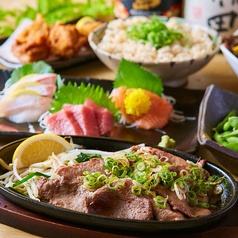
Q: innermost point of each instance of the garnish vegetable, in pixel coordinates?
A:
(137, 102)
(154, 31)
(74, 94)
(39, 67)
(226, 132)
(133, 76)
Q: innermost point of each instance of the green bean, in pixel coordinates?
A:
(219, 127)
(219, 138)
(231, 133)
(233, 121)
(227, 126)
(232, 139)
(232, 146)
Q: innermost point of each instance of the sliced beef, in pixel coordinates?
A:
(165, 214)
(63, 192)
(161, 154)
(200, 212)
(179, 168)
(103, 116)
(85, 116)
(180, 205)
(201, 163)
(172, 159)
(68, 191)
(73, 171)
(120, 202)
(63, 123)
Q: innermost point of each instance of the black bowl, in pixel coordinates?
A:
(125, 226)
(216, 104)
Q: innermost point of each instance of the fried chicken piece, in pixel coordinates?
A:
(32, 44)
(65, 41)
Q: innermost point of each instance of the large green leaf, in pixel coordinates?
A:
(39, 67)
(133, 76)
(74, 94)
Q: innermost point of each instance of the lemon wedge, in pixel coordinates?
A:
(21, 85)
(83, 21)
(38, 148)
(24, 92)
(27, 77)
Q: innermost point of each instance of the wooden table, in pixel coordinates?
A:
(217, 72)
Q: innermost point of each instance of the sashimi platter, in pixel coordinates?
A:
(134, 107)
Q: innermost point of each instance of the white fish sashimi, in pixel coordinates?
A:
(25, 108)
(49, 78)
(45, 90)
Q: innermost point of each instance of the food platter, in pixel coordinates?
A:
(9, 60)
(128, 226)
(187, 101)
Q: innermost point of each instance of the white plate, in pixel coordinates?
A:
(9, 60)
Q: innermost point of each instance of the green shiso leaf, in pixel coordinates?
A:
(39, 67)
(74, 94)
(133, 76)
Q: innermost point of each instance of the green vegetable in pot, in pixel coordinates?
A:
(226, 132)
(219, 127)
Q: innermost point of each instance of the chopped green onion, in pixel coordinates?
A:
(13, 189)
(113, 188)
(192, 201)
(136, 190)
(29, 177)
(158, 200)
(141, 177)
(94, 180)
(146, 187)
(140, 166)
(203, 204)
(218, 189)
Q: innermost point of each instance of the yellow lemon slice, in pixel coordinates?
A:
(21, 85)
(38, 148)
(83, 21)
(24, 92)
(27, 77)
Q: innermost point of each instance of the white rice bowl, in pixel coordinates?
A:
(172, 63)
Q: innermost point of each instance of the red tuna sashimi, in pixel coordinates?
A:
(63, 123)
(157, 115)
(103, 115)
(85, 116)
(49, 78)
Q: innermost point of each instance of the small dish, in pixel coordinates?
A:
(231, 58)
(172, 73)
(215, 105)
